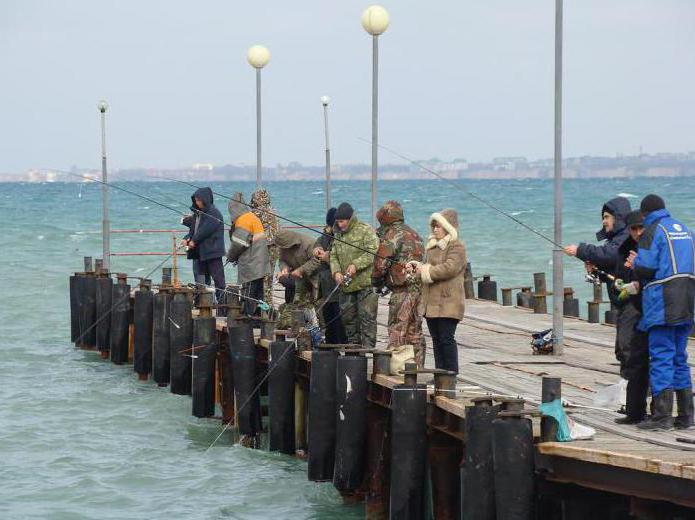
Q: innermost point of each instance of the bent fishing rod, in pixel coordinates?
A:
(476, 197)
(144, 197)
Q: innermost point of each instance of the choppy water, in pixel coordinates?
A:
(81, 438)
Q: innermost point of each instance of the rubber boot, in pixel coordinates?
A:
(684, 401)
(636, 402)
(662, 418)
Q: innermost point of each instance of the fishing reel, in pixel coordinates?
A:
(542, 342)
(593, 278)
(347, 280)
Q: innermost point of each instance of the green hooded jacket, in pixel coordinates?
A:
(362, 257)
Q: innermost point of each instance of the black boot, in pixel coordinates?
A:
(684, 400)
(636, 402)
(662, 418)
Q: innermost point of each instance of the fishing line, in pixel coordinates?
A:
(286, 219)
(476, 197)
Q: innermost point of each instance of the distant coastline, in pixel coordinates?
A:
(586, 167)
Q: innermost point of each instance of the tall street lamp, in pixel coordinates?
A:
(558, 254)
(375, 20)
(258, 57)
(324, 101)
(103, 106)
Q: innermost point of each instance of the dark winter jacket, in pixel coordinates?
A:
(208, 230)
(625, 274)
(666, 262)
(604, 256)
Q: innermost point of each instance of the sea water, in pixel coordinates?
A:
(82, 438)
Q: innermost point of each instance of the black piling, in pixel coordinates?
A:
(408, 451)
(142, 318)
(74, 307)
(351, 421)
(281, 397)
(161, 349)
(551, 389)
(87, 285)
(204, 353)
(120, 320)
(487, 288)
(104, 299)
(322, 423)
(180, 342)
(512, 448)
(479, 476)
(243, 357)
(570, 304)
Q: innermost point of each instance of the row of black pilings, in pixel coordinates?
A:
(155, 331)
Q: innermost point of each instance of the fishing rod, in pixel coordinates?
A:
(286, 219)
(476, 197)
(144, 197)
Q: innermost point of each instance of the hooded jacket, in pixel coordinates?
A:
(665, 265)
(296, 252)
(605, 255)
(356, 245)
(207, 231)
(249, 247)
(398, 245)
(442, 273)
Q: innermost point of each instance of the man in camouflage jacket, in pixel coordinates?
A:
(353, 255)
(399, 244)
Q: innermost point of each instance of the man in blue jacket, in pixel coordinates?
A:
(665, 266)
(207, 236)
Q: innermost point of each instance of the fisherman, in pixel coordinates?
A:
(352, 262)
(328, 300)
(249, 251)
(261, 207)
(613, 232)
(400, 244)
(665, 264)
(631, 344)
(442, 302)
(295, 252)
(207, 238)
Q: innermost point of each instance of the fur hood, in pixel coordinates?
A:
(448, 219)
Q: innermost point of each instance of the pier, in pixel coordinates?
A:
(474, 443)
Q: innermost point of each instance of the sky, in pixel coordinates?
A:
(458, 78)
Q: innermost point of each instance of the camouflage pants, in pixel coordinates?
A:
(405, 323)
(268, 280)
(358, 314)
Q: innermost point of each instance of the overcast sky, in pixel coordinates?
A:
(459, 78)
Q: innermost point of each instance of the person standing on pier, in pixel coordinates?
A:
(352, 261)
(249, 251)
(398, 245)
(631, 344)
(328, 295)
(665, 264)
(442, 286)
(261, 207)
(192, 253)
(614, 232)
(207, 237)
(295, 252)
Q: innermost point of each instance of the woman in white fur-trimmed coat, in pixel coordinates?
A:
(442, 286)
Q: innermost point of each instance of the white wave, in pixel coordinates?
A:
(627, 195)
(515, 213)
(139, 269)
(317, 192)
(40, 237)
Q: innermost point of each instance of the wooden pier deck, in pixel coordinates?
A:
(495, 355)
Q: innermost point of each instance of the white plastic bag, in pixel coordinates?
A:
(612, 396)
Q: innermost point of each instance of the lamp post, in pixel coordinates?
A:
(558, 278)
(375, 20)
(103, 106)
(324, 101)
(258, 57)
